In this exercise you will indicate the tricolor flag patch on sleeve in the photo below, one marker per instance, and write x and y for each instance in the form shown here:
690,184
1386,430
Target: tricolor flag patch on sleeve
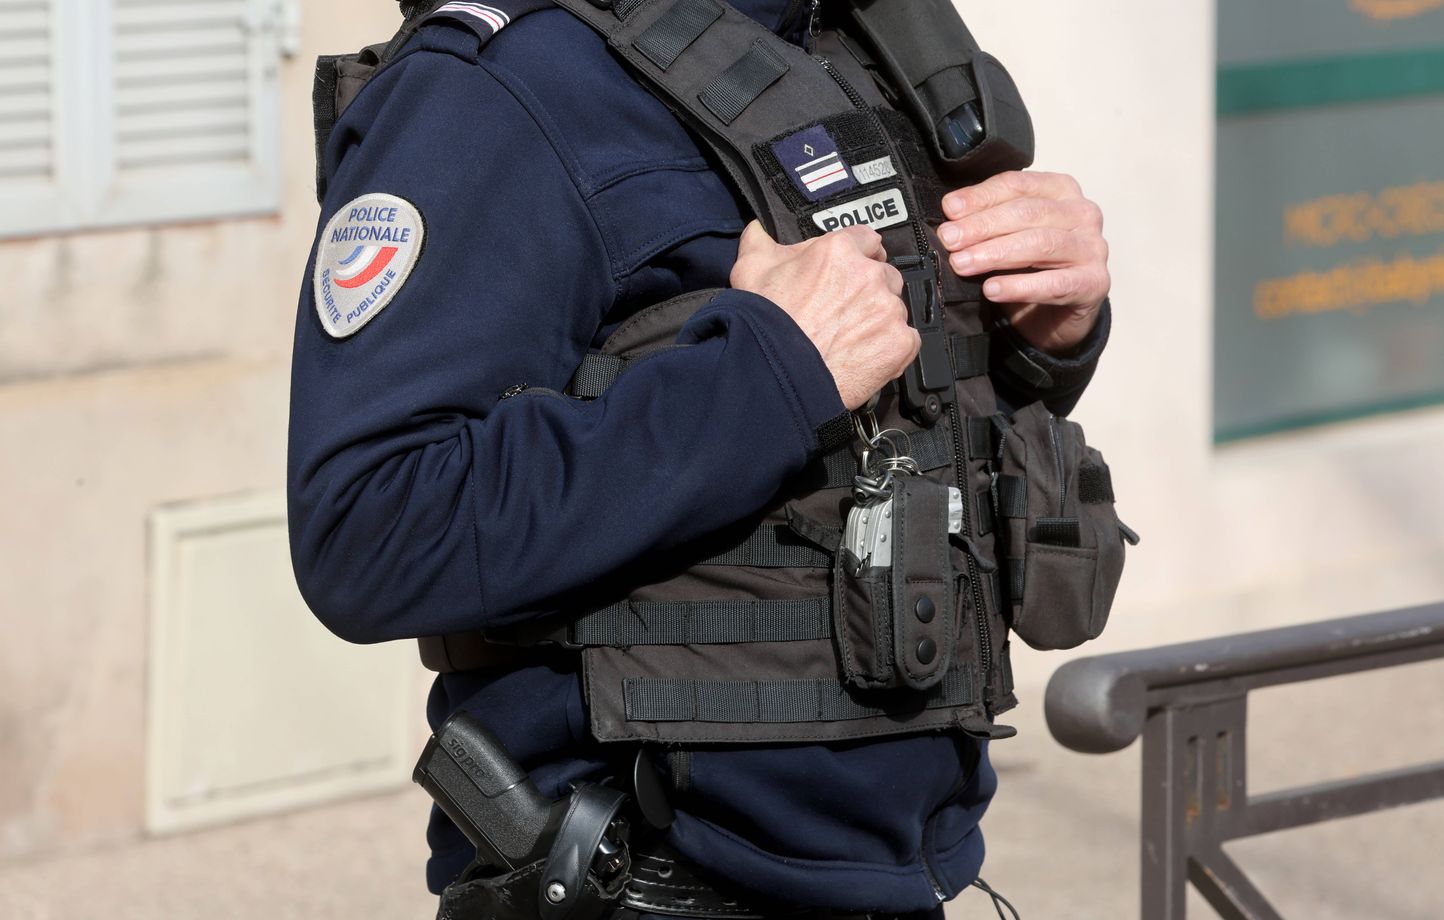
485,19
365,254
813,163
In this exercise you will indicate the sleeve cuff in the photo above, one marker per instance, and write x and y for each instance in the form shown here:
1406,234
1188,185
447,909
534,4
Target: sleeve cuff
805,379
1057,381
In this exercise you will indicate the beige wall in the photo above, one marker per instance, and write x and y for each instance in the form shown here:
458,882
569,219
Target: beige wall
164,378
137,368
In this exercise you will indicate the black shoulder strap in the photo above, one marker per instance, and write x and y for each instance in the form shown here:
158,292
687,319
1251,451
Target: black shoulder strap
727,76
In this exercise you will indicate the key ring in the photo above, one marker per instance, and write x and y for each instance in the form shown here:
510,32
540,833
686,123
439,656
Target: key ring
863,418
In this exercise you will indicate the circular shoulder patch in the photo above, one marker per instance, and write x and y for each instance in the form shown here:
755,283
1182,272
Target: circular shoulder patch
365,255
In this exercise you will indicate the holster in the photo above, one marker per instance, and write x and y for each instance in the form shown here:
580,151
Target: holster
518,896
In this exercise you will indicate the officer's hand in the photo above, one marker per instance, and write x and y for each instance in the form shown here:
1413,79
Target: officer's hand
840,290
1046,239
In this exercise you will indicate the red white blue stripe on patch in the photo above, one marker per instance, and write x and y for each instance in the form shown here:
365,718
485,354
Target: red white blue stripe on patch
494,18
363,264
822,172
814,163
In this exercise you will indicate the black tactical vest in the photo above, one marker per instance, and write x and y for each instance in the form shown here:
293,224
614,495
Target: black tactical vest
774,631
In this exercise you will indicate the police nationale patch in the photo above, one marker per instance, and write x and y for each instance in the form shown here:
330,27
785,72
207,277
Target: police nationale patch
365,255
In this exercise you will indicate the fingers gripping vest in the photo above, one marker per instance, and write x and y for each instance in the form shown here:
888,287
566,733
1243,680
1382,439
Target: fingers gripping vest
771,632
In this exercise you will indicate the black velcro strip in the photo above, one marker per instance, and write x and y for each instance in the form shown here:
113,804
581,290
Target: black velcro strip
970,355
1095,485
737,87
1057,532
675,30
835,432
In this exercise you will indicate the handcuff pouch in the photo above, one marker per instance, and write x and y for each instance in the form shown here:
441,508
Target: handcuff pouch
896,625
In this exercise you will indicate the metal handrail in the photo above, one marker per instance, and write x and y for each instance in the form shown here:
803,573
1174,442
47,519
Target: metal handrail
1189,704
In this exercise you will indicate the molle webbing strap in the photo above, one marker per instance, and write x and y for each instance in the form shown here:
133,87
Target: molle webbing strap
1013,496
681,700
970,355
324,112
631,623
986,522
982,438
597,373
773,546
931,447
687,51
1017,577
676,29
734,89
599,370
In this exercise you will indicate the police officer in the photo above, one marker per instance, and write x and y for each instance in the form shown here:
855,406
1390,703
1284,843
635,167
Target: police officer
496,208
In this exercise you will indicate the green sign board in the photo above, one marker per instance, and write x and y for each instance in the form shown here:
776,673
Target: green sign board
1330,247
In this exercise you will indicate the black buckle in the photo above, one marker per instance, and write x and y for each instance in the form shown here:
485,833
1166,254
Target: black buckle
928,381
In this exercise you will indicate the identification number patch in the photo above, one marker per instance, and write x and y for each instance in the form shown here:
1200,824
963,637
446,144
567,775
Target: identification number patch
365,255
885,209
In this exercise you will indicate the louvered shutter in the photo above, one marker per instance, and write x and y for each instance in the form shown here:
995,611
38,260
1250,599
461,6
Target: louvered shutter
32,199
191,126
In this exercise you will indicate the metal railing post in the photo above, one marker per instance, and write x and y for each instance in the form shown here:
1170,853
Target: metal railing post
1164,850
1189,702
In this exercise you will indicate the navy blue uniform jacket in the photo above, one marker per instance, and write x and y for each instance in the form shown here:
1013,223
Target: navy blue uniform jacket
559,196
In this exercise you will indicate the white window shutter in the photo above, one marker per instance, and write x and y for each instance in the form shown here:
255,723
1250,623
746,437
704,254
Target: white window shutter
30,127
190,122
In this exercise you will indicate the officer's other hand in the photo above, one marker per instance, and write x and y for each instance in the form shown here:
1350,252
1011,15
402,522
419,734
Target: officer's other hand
842,293
1045,241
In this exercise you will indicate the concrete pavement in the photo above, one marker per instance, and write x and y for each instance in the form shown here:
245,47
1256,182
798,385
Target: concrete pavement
1062,834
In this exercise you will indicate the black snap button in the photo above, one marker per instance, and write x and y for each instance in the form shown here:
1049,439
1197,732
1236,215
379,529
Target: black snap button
925,609
927,651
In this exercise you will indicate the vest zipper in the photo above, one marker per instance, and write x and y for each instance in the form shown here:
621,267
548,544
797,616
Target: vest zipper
1055,435
960,459
920,236
980,612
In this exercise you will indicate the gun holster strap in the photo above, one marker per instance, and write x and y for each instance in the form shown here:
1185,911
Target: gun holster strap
591,810
513,896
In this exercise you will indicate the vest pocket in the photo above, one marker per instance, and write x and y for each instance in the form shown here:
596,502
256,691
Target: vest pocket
862,622
1060,536
895,623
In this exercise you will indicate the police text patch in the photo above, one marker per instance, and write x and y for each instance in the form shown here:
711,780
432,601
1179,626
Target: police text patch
364,256
885,209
